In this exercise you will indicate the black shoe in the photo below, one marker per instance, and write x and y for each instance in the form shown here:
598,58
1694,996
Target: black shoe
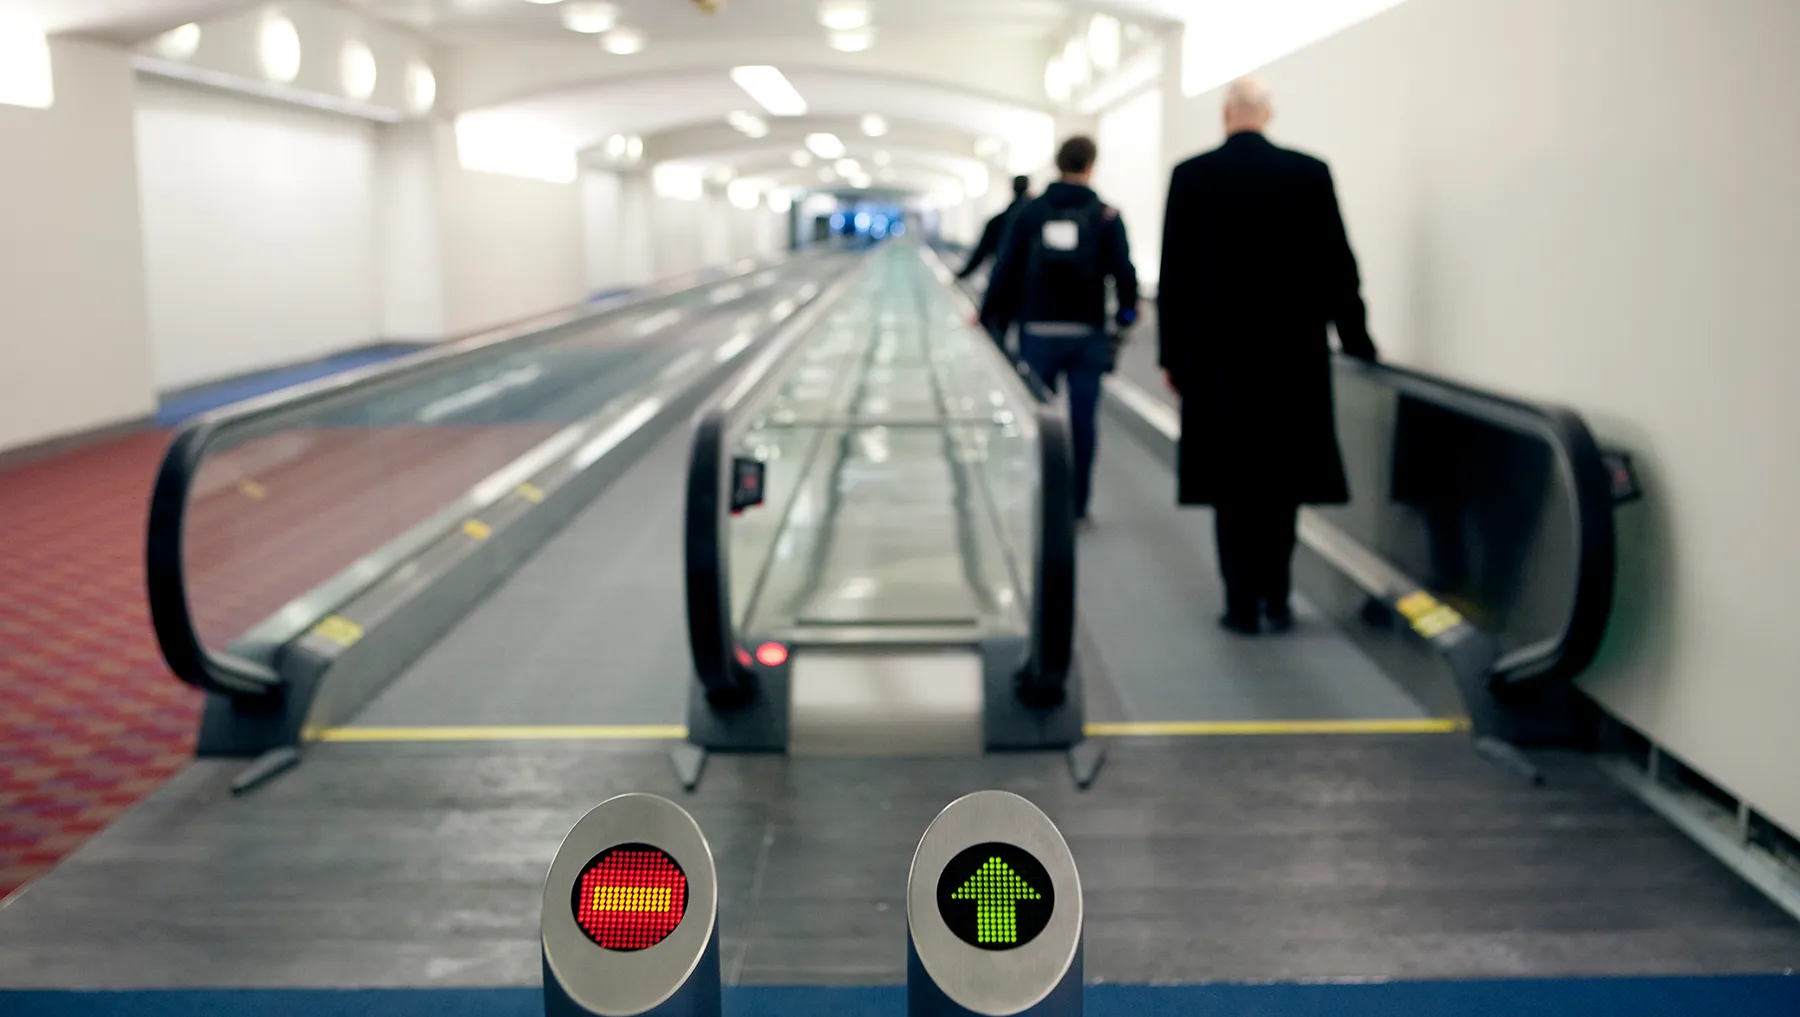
1280,621
1242,626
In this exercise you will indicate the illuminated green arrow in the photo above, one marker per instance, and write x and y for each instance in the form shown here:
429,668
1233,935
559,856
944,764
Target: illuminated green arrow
996,890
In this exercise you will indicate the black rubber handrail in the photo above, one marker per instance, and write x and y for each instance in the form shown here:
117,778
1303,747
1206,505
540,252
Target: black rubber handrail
171,614
707,562
1045,680
1589,478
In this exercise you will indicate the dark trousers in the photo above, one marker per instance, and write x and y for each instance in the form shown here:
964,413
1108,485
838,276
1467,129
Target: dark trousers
1084,361
1256,557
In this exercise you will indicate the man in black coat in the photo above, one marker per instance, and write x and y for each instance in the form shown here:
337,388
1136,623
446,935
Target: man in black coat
1255,265
995,231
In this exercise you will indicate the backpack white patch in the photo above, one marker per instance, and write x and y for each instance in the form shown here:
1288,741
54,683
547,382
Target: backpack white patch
1062,235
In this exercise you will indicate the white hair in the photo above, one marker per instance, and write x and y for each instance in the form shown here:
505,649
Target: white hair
1248,97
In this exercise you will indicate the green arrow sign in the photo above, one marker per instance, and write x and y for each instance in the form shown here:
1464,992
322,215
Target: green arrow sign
996,890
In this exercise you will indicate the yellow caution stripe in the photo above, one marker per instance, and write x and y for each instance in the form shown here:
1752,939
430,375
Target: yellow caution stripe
339,630
1112,729
1167,728
534,733
633,898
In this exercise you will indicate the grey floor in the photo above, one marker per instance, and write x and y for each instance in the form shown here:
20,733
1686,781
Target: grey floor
591,630
1201,859
1148,603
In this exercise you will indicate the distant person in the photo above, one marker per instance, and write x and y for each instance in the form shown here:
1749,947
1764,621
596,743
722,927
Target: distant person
1255,265
995,230
1050,279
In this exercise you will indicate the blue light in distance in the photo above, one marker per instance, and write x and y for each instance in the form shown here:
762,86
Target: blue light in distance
837,222
862,222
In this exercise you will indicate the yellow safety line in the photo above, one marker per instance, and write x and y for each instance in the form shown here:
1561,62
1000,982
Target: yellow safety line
1165,728
666,732
546,733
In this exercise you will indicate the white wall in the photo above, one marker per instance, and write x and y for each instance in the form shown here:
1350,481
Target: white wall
72,334
1593,201
1132,175
602,217
259,235
637,255
513,247
408,233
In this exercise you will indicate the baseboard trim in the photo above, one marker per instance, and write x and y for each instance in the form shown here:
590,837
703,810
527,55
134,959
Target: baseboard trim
62,444
192,388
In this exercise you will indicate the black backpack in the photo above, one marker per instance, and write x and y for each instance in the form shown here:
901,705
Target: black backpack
1065,256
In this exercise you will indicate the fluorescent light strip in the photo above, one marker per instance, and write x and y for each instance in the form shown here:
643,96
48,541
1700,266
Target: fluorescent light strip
770,88
825,146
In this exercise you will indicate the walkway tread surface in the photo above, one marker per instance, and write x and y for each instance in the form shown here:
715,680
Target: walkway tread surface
1289,858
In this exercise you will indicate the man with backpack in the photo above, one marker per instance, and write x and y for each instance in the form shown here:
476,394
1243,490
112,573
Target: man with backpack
1050,280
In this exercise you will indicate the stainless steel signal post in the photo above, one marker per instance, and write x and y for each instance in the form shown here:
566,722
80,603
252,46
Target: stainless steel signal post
993,913
630,915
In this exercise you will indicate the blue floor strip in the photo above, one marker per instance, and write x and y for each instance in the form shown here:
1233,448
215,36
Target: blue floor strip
191,403
1737,996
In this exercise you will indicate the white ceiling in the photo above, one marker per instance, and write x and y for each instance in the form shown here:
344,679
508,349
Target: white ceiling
1021,20
472,20
584,117
127,20
686,85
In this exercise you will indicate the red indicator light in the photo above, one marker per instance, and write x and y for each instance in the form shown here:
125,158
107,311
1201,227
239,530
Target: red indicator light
771,654
743,657
630,897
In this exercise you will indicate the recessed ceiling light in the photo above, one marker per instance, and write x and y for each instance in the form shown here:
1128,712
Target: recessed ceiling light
825,146
874,126
278,49
1075,62
771,89
743,194
853,41
844,15
780,202
590,18
848,167
179,43
1057,84
801,158
358,70
721,174
623,41
421,89
634,148
748,124
615,147
1103,41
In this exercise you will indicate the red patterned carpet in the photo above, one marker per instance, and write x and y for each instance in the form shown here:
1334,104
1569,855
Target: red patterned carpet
91,721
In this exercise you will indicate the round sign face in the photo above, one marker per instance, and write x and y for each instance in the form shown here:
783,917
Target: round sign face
995,896
630,897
